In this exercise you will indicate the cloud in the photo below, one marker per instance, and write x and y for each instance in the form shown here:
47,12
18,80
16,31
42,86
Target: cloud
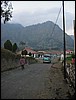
26,18
40,15
69,17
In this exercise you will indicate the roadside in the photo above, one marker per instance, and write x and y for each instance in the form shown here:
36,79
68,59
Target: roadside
36,81
59,88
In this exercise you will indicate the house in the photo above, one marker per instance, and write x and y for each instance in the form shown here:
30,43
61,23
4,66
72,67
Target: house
41,53
69,51
30,50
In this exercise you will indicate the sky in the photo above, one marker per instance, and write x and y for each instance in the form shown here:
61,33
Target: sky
33,12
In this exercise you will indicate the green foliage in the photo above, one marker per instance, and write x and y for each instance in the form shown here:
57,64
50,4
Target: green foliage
36,36
6,10
14,47
73,55
30,54
38,55
22,45
69,59
24,52
8,45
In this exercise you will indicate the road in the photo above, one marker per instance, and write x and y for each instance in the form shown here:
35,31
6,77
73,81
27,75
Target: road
28,83
36,81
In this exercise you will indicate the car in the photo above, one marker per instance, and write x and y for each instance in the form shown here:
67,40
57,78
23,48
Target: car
47,58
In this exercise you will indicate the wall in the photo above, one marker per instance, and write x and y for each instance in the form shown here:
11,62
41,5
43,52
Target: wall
9,64
71,73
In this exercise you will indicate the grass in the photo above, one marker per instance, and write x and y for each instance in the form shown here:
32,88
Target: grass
69,59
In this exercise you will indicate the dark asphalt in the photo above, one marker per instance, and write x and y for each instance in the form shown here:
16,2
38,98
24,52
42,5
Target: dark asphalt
25,84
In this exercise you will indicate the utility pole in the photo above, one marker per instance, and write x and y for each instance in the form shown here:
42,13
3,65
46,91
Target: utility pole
64,43
74,36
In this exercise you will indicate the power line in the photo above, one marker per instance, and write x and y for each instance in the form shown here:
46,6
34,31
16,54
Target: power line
56,20
54,28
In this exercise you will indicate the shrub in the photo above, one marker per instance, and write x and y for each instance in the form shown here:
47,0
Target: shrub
8,45
14,47
73,55
24,52
30,54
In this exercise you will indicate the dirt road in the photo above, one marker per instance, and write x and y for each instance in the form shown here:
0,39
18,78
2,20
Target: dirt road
36,81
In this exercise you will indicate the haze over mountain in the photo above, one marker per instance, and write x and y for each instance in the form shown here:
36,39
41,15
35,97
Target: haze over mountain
39,36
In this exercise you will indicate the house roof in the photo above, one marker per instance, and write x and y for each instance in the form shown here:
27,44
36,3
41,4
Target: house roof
68,50
30,50
56,52
50,52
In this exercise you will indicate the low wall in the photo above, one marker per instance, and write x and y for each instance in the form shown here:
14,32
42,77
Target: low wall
9,64
14,63
70,69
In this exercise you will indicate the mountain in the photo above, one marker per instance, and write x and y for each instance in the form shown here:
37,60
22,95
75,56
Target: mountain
39,36
11,32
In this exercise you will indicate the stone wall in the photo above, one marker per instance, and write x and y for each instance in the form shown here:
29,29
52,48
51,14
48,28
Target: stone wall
9,64
70,69
14,63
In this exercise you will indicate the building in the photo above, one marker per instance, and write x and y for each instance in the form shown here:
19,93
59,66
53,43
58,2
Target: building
33,53
69,51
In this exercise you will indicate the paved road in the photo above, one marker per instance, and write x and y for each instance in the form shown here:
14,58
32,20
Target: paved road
29,83
36,81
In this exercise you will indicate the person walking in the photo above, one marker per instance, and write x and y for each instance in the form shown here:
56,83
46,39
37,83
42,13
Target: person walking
22,61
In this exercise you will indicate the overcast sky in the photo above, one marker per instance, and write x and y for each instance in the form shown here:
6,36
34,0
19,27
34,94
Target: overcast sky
33,12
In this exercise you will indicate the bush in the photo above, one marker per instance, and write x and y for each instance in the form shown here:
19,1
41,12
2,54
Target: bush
24,52
73,55
30,54
14,47
8,45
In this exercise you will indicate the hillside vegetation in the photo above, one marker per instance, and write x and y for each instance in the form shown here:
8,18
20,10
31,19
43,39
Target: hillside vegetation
39,36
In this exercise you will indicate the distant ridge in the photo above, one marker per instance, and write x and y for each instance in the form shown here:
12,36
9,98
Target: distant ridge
38,36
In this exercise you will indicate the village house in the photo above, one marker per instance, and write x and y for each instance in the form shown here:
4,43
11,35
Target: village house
69,51
33,53
29,50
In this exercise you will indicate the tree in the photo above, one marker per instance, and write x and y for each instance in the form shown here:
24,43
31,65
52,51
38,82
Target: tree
6,11
22,44
8,45
14,47
24,52
73,55
30,54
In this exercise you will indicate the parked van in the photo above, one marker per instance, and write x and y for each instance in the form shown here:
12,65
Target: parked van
47,58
